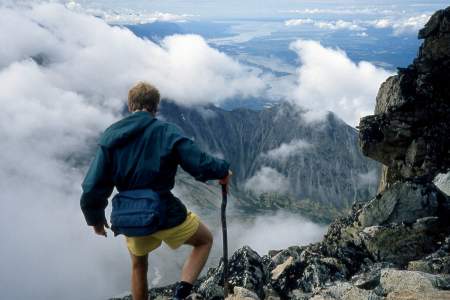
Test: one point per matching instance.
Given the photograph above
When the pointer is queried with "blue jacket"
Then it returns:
(141, 151)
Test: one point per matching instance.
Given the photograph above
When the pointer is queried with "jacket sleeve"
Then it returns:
(97, 187)
(196, 162)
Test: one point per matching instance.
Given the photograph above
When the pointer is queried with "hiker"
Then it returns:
(143, 152)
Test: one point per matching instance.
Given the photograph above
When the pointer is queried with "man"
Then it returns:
(142, 152)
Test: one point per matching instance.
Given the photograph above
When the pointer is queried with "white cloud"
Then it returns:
(404, 25)
(382, 23)
(369, 178)
(126, 16)
(411, 24)
(206, 113)
(400, 24)
(352, 10)
(267, 180)
(86, 55)
(334, 25)
(64, 78)
(288, 149)
(339, 25)
(297, 22)
(329, 81)
(275, 232)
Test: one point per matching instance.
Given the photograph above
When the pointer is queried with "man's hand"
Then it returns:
(226, 179)
(100, 229)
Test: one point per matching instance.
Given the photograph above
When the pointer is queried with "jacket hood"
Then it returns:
(126, 129)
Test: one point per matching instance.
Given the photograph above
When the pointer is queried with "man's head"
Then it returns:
(143, 96)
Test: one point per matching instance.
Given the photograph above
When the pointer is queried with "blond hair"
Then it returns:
(143, 96)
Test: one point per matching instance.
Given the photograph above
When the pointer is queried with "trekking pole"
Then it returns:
(225, 240)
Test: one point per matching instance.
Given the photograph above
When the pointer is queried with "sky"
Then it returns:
(64, 78)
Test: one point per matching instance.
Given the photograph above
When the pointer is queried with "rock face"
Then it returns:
(395, 246)
(409, 132)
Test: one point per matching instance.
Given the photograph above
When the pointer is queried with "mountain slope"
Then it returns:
(321, 168)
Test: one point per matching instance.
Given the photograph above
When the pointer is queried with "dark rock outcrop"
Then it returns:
(246, 270)
(409, 131)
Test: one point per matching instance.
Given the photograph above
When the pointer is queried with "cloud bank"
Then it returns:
(87, 55)
(334, 25)
(403, 25)
(327, 80)
(276, 231)
(267, 180)
(125, 16)
(285, 150)
(369, 178)
(350, 10)
(399, 24)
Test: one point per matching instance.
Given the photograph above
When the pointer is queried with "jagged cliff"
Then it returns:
(412, 113)
(395, 246)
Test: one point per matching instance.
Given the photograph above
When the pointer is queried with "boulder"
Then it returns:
(404, 202)
(428, 295)
(393, 280)
(435, 263)
(369, 276)
(246, 270)
(345, 291)
(400, 243)
(240, 293)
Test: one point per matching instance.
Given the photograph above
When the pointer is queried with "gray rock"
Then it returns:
(442, 181)
(409, 131)
(281, 268)
(435, 263)
(345, 291)
(240, 293)
(428, 295)
(392, 280)
(246, 270)
(270, 293)
(390, 95)
(369, 276)
(436, 24)
(400, 243)
(299, 295)
(404, 202)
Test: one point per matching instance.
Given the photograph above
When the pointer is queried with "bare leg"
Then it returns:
(202, 241)
(139, 285)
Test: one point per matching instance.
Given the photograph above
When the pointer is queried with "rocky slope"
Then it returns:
(397, 245)
(323, 169)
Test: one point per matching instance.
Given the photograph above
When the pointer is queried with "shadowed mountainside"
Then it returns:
(322, 168)
(395, 246)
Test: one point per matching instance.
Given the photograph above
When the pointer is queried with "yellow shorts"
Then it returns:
(174, 237)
